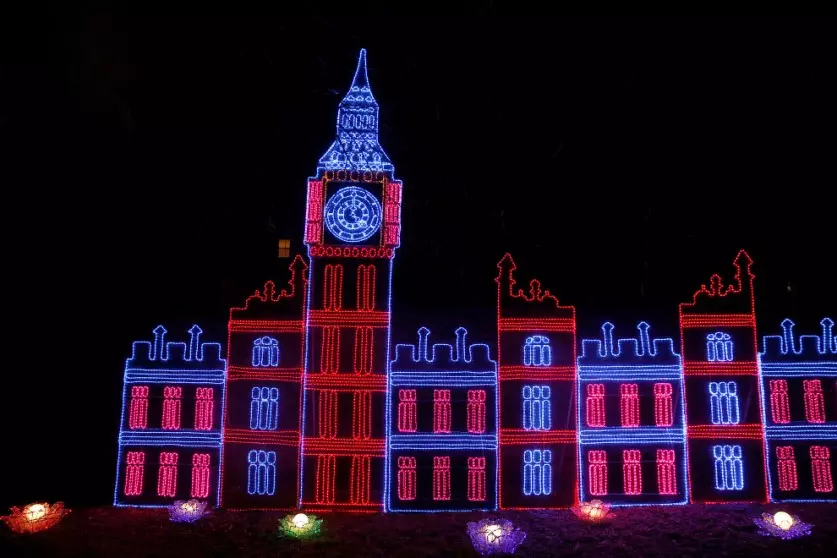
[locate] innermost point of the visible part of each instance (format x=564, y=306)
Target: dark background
x=152, y=162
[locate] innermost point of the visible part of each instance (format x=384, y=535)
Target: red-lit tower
x=723, y=412
x=352, y=229
x=538, y=431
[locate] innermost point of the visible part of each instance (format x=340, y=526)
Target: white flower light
x=300, y=520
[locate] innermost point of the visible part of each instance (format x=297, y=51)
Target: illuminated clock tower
x=352, y=228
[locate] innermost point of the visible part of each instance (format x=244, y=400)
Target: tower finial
x=360, y=83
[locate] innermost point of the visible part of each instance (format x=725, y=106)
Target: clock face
x=352, y=214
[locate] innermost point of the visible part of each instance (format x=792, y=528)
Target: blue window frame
x=729, y=468
x=719, y=347
x=536, y=351
x=266, y=352
x=537, y=408
x=261, y=472
x=723, y=403
x=264, y=408
x=537, y=472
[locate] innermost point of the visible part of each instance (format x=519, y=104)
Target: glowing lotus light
x=491, y=536
x=35, y=517
x=594, y=511
x=33, y=512
x=300, y=526
x=782, y=525
x=783, y=520
x=187, y=511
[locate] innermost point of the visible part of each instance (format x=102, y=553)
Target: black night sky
x=152, y=163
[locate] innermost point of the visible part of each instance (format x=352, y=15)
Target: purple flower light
x=491, y=536
x=778, y=526
x=187, y=512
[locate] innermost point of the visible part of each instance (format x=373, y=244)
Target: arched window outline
x=537, y=408
x=536, y=351
x=264, y=408
x=265, y=352
x=537, y=472
x=729, y=467
x=723, y=403
x=719, y=347
x=261, y=473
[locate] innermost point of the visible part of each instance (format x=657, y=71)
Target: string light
x=462, y=425
x=718, y=344
x=173, y=372
x=525, y=475
x=792, y=365
x=642, y=367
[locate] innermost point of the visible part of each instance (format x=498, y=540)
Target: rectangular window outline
x=406, y=478
x=597, y=471
x=138, y=415
x=200, y=475
x=204, y=407
x=629, y=405
x=595, y=408
x=134, y=470
x=171, y=407
x=779, y=403
x=476, y=411
x=729, y=467
x=663, y=405
x=167, y=475
x=441, y=411
x=786, y=466
x=476, y=479
x=407, y=410
x=441, y=477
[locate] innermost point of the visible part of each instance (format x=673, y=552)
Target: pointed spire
x=360, y=83
x=357, y=146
